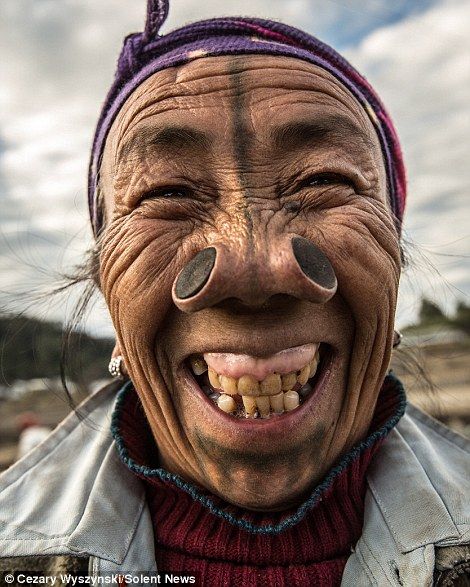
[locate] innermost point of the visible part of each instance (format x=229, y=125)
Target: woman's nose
x=296, y=267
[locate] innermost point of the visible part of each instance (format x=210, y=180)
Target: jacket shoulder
x=443, y=456
x=440, y=433
x=51, y=498
x=88, y=423
x=416, y=504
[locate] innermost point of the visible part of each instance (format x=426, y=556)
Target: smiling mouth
x=245, y=386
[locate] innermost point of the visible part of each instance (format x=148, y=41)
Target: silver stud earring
x=114, y=367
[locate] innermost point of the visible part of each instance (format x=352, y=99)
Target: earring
x=397, y=338
x=114, y=367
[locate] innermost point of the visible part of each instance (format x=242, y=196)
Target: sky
x=58, y=59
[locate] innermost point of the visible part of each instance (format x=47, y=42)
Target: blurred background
x=58, y=59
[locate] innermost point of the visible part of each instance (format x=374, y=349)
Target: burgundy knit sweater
x=198, y=532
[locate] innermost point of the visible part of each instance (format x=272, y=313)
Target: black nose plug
x=314, y=263
x=196, y=274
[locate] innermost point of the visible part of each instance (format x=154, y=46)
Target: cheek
x=373, y=259
x=362, y=245
x=367, y=262
x=139, y=262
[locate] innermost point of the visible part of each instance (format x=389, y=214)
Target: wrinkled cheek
x=137, y=272
x=367, y=264
x=369, y=284
x=368, y=272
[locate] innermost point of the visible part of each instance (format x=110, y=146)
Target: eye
x=321, y=179
x=167, y=192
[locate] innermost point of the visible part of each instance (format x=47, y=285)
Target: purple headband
x=148, y=52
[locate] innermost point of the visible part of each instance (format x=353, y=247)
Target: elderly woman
x=246, y=192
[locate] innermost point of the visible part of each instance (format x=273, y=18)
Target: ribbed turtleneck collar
x=197, y=531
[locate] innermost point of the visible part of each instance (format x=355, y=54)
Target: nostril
x=313, y=262
x=196, y=274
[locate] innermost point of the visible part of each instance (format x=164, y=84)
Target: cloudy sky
x=57, y=62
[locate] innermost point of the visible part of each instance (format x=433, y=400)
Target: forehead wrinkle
x=164, y=138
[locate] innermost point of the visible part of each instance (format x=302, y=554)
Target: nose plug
x=311, y=260
x=314, y=263
x=196, y=274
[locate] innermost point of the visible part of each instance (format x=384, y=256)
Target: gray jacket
x=72, y=497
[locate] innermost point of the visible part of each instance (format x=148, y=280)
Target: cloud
x=338, y=22
x=58, y=60
x=420, y=68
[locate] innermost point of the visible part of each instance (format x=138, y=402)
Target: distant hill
x=31, y=348
x=432, y=319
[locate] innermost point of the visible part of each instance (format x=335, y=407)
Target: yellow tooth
x=214, y=379
x=271, y=384
x=199, y=366
x=248, y=385
x=228, y=384
x=262, y=402
x=249, y=404
x=226, y=403
x=291, y=400
x=302, y=377
x=288, y=381
x=314, y=365
x=277, y=402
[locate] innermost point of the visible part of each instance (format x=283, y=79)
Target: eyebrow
x=288, y=137
x=174, y=137
x=312, y=132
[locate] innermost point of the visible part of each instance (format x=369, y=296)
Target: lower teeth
x=277, y=403
x=291, y=400
x=264, y=406
x=226, y=403
x=249, y=403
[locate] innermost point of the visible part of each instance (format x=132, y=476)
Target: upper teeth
x=271, y=384
x=274, y=393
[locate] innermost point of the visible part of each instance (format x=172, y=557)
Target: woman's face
x=245, y=154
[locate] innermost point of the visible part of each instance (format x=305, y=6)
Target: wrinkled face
x=250, y=264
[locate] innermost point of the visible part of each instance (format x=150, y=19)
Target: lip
x=251, y=348
x=285, y=361
x=273, y=427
